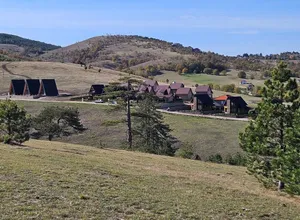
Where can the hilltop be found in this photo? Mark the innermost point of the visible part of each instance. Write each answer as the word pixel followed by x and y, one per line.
pixel 149 56
pixel 79 182
pixel 130 51
pixel 13 47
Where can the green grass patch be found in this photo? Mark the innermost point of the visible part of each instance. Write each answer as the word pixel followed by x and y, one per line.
pixel 105 129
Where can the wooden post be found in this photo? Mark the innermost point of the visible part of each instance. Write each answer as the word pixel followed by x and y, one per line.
pixel 129 129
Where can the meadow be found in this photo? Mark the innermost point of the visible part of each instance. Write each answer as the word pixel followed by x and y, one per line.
pixel 106 128
pixel 52 180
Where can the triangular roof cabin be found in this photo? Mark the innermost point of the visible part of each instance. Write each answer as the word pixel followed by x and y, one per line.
pixel 48 87
pixel 32 87
pixel 17 87
pixel 96 89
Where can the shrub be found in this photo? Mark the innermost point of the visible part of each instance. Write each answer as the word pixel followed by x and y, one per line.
pixel 185 151
pixel 237 159
pixel 237 90
pixel 217 87
pixel 217 158
pixel 228 88
pixel 216 72
pixel 242 75
pixel 185 70
pixel 223 73
pixel 208 71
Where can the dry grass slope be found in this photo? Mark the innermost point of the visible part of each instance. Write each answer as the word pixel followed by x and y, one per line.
pixel 52 180
pixel 69 77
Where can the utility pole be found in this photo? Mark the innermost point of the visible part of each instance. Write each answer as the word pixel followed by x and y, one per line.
pixel 129 129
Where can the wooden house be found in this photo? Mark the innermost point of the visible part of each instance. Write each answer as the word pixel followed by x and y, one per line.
pixel 175 86
pixel 17 87
pixel 48 87
pixel 202 102
pixel 204 89
pixel 184 94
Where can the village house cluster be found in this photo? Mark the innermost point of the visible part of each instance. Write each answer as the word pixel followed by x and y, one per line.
pixel 201 100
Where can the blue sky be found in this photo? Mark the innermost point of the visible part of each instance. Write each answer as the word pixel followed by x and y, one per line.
pixel 228 27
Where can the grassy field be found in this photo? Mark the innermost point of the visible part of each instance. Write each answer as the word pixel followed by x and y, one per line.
pixel 207 136
pixel 69 77
pixel 52 180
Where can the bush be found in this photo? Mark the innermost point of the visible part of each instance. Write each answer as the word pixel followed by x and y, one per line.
pixel 242 75
pixel 217 87
pixel 184 153
pixel 223 73
pixel 208 71
pixel 217 158
pixel 236 159
pixel 185 70
pixel 211 85
pixel 216 72
pixel 237 90
pixel 228 88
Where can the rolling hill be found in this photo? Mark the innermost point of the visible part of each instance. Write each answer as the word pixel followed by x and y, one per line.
pixel 70 78
pixel 21 48
pixel 52 180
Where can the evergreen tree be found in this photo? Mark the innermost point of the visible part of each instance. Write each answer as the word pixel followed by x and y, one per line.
pixel 14 123
pixel 272 138
pixel 150 133
pixel 55 121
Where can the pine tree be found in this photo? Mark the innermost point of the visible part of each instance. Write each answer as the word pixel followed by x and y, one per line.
pixel 55 121
pixel 151 135
pixel 272 138
pixel 14 123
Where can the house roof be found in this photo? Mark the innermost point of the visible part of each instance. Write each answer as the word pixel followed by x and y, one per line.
pixel 239 101
pixel 176 85
pixel 203 89
pixel 49 86
pixel 32 86
pixel 162 88
pixel 17 86
pixel 144 88
pixel 204 99
pixel 222 98
pixel 183 91
pixel 97 89
pixel 150 82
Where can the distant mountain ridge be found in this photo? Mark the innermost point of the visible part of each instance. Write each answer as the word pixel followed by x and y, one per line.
pixel 139 55
pixel 22 46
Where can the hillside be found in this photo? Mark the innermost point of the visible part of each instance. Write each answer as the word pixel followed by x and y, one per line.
pixel 22 46
pixel 71 78
pixel 51 180
pixel 213 136
pixel 123 52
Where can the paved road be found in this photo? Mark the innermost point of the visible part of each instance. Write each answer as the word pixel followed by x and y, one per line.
pixel 204 116
pixel 52 101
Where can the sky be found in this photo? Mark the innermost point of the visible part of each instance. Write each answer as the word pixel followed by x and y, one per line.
pixel 228 27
